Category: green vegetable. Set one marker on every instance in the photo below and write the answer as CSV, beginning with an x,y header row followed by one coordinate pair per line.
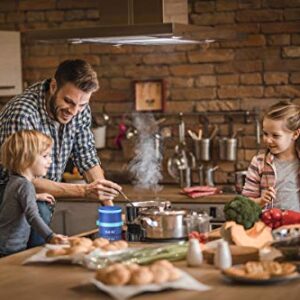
x,y
243,211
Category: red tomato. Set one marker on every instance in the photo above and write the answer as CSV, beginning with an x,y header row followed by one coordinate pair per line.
x,y
276,214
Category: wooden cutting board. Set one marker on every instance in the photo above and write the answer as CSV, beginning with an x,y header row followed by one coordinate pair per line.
x,y
240,255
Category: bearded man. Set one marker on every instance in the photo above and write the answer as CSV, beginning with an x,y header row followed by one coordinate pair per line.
x,y
59,107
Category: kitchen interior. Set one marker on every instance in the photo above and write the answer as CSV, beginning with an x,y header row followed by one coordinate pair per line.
x,y
176,122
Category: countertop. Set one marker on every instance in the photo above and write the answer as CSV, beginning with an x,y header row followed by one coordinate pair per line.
x,y
62,281
169,192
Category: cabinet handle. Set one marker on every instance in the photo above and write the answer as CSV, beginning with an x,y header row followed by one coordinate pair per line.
x,y
7,87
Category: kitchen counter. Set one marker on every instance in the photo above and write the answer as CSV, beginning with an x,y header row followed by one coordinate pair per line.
x,y
169,192
61,281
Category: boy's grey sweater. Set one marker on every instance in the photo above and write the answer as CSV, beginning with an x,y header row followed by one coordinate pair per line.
x,y
18,213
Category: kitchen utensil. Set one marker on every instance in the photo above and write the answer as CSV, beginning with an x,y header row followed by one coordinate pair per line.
x,y
126,198
203,149
227,148
168,224
240,178
133,211
208,177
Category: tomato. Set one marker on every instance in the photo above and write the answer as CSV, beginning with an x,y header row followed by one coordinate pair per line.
x,y
276,214
266,217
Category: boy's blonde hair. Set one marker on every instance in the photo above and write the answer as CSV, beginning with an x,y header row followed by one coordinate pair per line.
x,y
20,149
285,110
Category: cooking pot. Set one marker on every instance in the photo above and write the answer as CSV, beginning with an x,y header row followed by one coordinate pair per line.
x,y
133,211
227,148
165,224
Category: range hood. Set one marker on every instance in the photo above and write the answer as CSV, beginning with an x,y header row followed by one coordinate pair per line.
x,y
136,22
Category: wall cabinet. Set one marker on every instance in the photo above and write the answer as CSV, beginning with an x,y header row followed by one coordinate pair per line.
x,y
10,63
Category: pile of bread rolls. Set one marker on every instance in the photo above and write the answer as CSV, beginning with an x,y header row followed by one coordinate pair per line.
x,y
119,274
82,245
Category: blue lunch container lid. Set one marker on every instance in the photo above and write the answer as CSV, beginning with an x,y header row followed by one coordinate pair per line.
x,y
109,209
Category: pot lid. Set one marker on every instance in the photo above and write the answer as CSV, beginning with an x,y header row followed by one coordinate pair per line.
x,y
150,204
155,212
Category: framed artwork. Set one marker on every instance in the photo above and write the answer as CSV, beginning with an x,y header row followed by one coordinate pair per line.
x,y
149,95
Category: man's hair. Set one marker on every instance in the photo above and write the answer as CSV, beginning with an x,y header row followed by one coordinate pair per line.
x,y
20,149
77,72
287,111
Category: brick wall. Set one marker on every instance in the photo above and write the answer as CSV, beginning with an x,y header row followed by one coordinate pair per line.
x,y
254,71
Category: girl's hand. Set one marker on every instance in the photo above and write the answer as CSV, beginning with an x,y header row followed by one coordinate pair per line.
x,y
58,239
268,196
45,197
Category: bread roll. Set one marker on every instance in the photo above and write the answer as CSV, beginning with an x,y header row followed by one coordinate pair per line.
x,y
77,250
100,242
160,273
141,276
56,252
120,244
118,275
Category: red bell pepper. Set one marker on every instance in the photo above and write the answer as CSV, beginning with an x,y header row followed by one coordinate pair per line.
x,y
276,217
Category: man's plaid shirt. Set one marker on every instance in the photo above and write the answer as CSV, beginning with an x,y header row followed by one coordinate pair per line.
x,y
75,139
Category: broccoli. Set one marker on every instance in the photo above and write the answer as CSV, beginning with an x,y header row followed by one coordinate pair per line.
x,y
243,211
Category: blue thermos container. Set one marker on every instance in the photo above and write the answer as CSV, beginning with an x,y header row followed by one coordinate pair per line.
x,y
110,222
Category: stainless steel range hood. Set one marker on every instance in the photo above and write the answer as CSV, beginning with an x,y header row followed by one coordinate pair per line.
x,y
125,22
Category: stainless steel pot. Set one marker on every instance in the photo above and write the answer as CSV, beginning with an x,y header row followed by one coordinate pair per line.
x,y
164,224
227,148
240,179
133,211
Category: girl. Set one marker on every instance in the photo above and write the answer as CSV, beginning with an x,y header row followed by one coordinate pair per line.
x,y
273,177
26,154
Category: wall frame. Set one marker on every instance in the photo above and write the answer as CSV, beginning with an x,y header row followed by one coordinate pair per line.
x,y
149,95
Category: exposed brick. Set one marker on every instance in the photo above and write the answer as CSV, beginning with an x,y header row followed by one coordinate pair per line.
x,y
109,95
42,62
120,83
206,81
222,105
120,108
204,6
291,14
252,103
170,58
220,177
280,4
71,15
282,65
35,16
179,106
92,14
71,4
39,50
179,82
121,59
58,49
193,93
79,49
291,51
249,154
210,55
228,79
278,39
286,91
2,18
140,72
249,142
8,5
191,70
239,66
251,79
54,16
295,77
259,15
110,49
296,39
275,78
253,40
15,17
226,166
281,27
257,53
110,72
240,92
36,4
222,5
250,4
212,18
243,28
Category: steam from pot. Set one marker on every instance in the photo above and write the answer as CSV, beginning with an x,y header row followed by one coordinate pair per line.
x,y
145,167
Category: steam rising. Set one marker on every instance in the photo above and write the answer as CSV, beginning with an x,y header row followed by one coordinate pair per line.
x,y
145,167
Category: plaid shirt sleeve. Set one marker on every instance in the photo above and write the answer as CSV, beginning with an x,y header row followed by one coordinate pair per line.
x,y
84,153
252,185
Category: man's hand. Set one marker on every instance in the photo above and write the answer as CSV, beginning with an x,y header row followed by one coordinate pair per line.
x,y
103,190
45,197
58,239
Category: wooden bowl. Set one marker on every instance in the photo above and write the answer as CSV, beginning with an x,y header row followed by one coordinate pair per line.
x,y
240,255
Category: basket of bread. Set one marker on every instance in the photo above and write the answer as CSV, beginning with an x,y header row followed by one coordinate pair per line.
x,y
122,281
262,272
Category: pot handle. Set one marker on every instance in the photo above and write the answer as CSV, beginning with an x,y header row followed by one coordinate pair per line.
x,y
149,222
